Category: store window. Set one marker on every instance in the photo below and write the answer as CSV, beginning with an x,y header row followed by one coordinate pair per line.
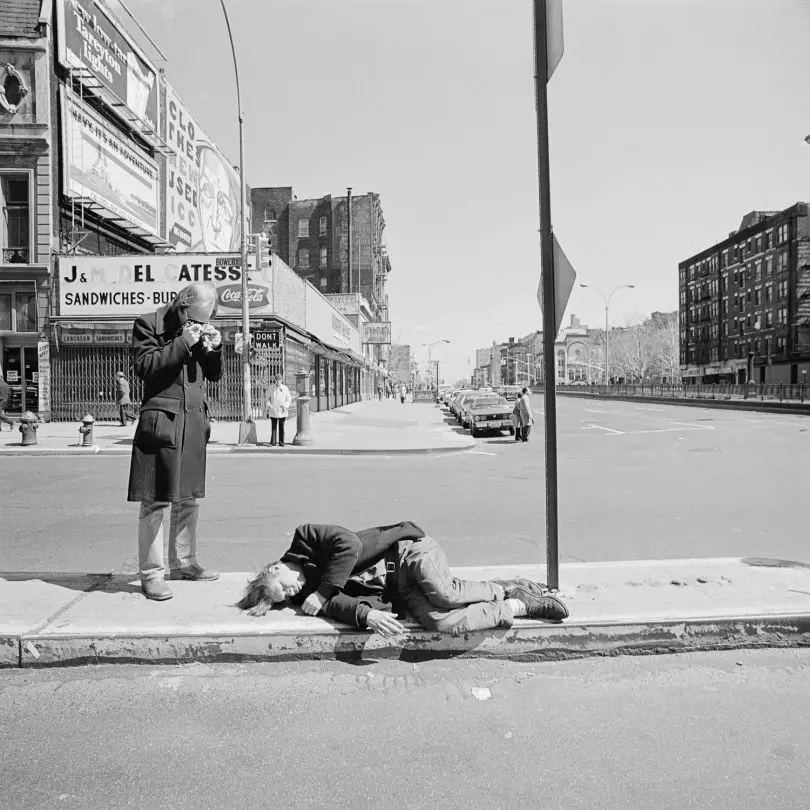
x,y
15,223
18,312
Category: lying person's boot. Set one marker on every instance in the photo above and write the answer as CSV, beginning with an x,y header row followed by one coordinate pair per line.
x,y
194,572
509,585
156,589
540,607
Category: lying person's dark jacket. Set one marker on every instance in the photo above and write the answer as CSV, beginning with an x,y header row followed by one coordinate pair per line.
x,y
331,555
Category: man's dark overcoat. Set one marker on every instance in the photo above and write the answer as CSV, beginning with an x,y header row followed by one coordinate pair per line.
x,y
168,452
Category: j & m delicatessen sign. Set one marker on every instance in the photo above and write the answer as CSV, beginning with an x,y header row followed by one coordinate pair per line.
x,y
117,286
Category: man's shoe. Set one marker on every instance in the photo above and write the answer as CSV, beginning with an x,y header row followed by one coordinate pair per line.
x,y
194,572
535,588
156,588
540,607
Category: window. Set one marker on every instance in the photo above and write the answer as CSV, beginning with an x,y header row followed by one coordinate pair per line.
x,y
768,319
303,257
269,214
323,262
15,228
756,297
324,282
769,266
322,227
18,312
782,233
303,228
768,239
768,293
759,244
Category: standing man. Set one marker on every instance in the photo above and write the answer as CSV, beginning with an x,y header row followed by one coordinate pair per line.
x,y
526,415
5,396
123,399
278,409
175,350
403,392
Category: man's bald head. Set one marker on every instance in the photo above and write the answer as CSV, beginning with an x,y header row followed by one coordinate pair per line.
x,y
198,301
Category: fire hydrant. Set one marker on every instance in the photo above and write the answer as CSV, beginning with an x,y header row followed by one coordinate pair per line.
x,y
29,422
87,430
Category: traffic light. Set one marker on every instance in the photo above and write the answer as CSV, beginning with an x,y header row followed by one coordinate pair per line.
x,y
262,252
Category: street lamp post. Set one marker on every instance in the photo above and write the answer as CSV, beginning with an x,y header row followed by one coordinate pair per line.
x,y
430,361
247,428
607,305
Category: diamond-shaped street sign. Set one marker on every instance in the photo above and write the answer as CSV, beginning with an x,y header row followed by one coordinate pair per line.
x,y
564,278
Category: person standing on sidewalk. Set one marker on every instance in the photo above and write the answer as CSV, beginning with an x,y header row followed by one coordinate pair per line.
x,y
175,351
526,415
5,396
278,409
123,398
403,392
342,574
516,423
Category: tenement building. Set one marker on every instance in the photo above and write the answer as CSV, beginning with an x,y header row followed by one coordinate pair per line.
x,y
114,198
745,303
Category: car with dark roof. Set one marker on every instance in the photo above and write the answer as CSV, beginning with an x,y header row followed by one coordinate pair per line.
x,y
487,413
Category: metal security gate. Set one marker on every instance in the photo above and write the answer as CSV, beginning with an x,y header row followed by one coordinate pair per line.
x,y
225,398
83,381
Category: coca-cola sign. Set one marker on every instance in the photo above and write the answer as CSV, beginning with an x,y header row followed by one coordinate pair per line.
x,y
231,296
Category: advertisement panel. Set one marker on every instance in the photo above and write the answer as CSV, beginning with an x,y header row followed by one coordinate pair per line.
x,y
98,165
131,285
378,332
203,193
89,40
329,325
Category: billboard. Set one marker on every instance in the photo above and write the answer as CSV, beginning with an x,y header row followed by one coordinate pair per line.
x,y
203,192
129,286
378,332
97,164
90,41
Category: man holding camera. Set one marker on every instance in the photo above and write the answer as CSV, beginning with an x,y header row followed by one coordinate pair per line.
x,y
175,350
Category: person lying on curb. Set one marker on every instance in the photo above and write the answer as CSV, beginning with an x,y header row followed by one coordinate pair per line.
x,y
347,576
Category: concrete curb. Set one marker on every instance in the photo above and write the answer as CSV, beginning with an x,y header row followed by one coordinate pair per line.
x,y
791,408
526,641
240,450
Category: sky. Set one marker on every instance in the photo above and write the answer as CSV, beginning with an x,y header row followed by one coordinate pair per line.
x,y
669,120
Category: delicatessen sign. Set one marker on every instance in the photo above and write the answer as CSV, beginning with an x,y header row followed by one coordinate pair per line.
x,y
133,285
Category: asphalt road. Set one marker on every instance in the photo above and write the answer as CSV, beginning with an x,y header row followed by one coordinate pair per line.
x,y
705,730
636,481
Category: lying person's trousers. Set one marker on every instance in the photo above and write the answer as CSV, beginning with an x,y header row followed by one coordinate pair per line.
x,y
442,602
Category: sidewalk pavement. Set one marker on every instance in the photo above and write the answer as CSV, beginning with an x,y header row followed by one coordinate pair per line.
x,y
367,427
616,607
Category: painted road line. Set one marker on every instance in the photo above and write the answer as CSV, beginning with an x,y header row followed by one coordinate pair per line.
x,y
692,425
602,427
640,408
482,453
593,410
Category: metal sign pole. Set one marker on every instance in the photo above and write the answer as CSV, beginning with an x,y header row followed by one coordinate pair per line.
x,y
549,296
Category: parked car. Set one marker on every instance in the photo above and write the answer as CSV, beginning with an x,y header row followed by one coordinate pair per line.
x,y
459,404
488,414
459,395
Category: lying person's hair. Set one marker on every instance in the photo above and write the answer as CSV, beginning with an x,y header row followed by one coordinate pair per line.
x,y
258,598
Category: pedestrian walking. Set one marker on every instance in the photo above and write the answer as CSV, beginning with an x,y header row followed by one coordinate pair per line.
x,y
344,575
123,399
5,396
379,391
526,414
175,351
403,392
278,409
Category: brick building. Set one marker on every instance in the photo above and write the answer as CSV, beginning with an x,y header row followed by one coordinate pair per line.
x,y
745,303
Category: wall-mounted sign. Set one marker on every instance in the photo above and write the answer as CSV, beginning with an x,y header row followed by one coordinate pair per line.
x,y
266,338
98,165
203,193
133,285
105,59
376,332
345,303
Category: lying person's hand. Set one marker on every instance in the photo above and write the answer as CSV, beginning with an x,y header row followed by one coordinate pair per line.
x,y
312,604
384,623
